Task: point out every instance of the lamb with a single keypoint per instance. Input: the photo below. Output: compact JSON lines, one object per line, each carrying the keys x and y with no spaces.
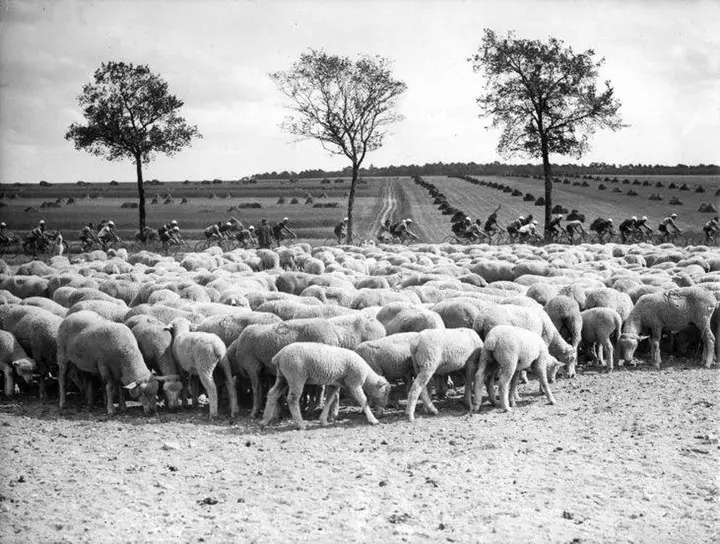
{"x":507,"y":351}
{"x":609,"y":298}
{"x":105,"y":309}
{"x":252,"y":352}
{"x":155,"y":343}
{"x":564,"y":312}
{"x":542,"y":292}
{"x":312,"y":363}
{"x":672,"y":311}
{"x":437,"y":351}
{"x":14,"y":360}
{"x":46,"y":304}
{"x":456,"y":313}
{"x":97,"y":346}
{"x":602,"y":326}
{"x":289,"y":309}
{"x":198,"y":353}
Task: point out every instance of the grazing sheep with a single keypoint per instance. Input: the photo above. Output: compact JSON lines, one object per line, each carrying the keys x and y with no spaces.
{"x":97,"y":346}
{"x":304,"y":363}
{"x":14,"y":360}
{"x":507,"y":351}
{"x":390,"y":356}
{"x":671,"y":311}
{"x":602,"y":326}
{"x":456,"y":313}
{"x":399,"y":317}
{"x":564,"y":312}
{"x":105,"y":309}
{"x":46,"y":304}
{"x":252,"y":352}
{"x":155,"y":343}
{"x":609,"y":298}
{"x":437,"y":351}
{"x":198,"y":353}
{"x":290,"y":309}
{"x":380,"y":297}
{"x":161,"y":312}
{"x":6,"y":297}
{"x":356,"y":328}
{"x":25,"y":286}
{"x":542,"y":293}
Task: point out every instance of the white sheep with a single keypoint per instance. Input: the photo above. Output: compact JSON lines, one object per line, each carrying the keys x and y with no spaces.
{"x":609,"y":298}
{"x":198,"y":353}
{"x":399,"y":317}
{"x":437,"y":351}
{"x":356,"y":328}
{"x":101,"y":347}
{"x":507,"y":351}
{"x":602,"y":327}
{"x":304,"y":363}
{"x":228,"y":327}
{"x":14,"y":360}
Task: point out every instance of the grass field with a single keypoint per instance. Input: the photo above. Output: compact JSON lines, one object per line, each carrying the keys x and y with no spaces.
{"x":380,"y":198}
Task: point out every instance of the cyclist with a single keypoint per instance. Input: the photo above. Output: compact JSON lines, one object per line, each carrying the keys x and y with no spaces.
{"x":641,"y":226}
{"x":710,"y":228}
{"x":554,"y":227}
{"x":576,"y":215}
{"x":526,"y":231}
{"x":213,"y":231}
{"x":107,"y":234}
{"x":603,"y":227}
{"x":384,"y":234}
{"x":665,"y":226}
{"x":341,"y":229}
{"x":5,"y":237}
{"x":265,"y":234}
{"x":246,"y":236}
{"x":527,"y":220}
{"x":175,"y":235}
{"x":460,"y":228}
{"x":88,"y":236}
{"x":38,"y":237}
{"x":627,"y":228}
{"x":164,"y":232}
{"x":475,"y":231}
{"x":574,"y":226}
{"x":280,"y":229}
{"x":491,"y":225}
{"x":403,"y":231}
{"x":512,"y":228}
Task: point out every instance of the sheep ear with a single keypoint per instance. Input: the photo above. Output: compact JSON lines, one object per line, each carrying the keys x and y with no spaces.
{"x":641,"y":338}
{"x":130,"y":385}
{"x":168,"y":328}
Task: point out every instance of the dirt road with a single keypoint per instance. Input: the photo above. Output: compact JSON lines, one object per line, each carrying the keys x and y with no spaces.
{"x":627,"y":457}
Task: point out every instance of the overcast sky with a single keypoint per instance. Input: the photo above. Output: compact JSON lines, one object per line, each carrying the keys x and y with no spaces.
{"x":663,"y":57}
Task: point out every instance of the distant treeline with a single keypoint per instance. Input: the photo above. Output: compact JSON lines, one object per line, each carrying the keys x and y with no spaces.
{"x":500,"y":169}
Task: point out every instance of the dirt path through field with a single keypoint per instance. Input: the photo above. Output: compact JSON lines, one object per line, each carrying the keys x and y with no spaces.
{"x":627,"y":457}
{"x":389,"y":204}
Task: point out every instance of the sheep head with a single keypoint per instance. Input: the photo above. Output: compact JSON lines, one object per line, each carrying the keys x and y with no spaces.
{"x":144,"y":392}
{"x":378,"y":391}
{"x":179,"y":325}
{"x":172,"y":387}
{"x":25,"y":368}
{"x":627,"y":344}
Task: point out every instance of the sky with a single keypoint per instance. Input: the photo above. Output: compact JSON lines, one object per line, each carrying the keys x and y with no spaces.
{"x":662,"y":57}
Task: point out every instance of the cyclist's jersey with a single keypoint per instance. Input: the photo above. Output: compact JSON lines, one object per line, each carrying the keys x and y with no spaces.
{"x":339,"y":229}
{"x":642,"y":224}
{"x":37,"y":232}
{"x":244,"y":234}
{"x":527,"y":229}
{"x":628,"y":225}
{"x":515,"y":225}
{"x":4,"y":236}
{"x":711,"y":225}
{"x":277,"y":230}
{"x":574,"y":224}
{"x":458,"y":228}
{"x":164,"y":232}
{"x":668,"y":221}
{"x":212,"y":230}
{"x":491,"y":223}
{"x":105,"y":232}
{"x":553,"y":224}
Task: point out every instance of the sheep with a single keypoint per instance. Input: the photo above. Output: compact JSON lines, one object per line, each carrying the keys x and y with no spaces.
{"x":609,"y":298}
{"x":6,"y":297}
{"x":198,"y":353}
{"x":564,"y":312}
{"x":542,"y":292}
{"x":14,"y":360}
{"x":289,"y":309}
{"x":380,"y":297}
{"x":507,"y":351}
{"x":390,"y":356}
{"x":672,"y":311}
{"x":436,"y":351}
{"x":159,"y":311}
{"x":228,"y":327}
{"x":97,"y":346}
{"x":155,"y":343}
{"x":312,"y":363}
{"x":25,"y":286}
{"x":46,"y":304}
{"x":252,"y":352}
{"x":602,"y":326}
{"x":456,"y":313}
{"x":533,"y":320}
{"x":402,"y":317}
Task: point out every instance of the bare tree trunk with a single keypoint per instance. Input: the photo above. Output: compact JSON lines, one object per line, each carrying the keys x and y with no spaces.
{"x":351,"y":202}
{"x":141,"y":193}
{"x":548,"y":185}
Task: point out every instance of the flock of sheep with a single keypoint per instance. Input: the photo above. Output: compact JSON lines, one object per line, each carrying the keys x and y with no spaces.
{"x":362,"y":319}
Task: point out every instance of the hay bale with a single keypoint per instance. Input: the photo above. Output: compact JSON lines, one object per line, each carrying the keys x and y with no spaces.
{"x":184,"y":201}
{"x":699,"y":189}
{"x":129,"y":205}
{"x":309,"y":200}
{"x":212,"y":196}
{"x":516,"y":192}
{"x":168,"y":200}
{"x":601,"y":187}
{"x":154,"y":200}
{"x":294,"y":200}
{"x":672,"y":186}
{"x":540,"y":201}
{"x":659,"y":184}
{"x":113,"y":182}
{"x":656,"y":196}
{"x":675,"y":201}
{"x":44,"y":183}
{"x":707,"y":208}
{"x":529,"y":197}
{"x":632,"y":192}
{"x":684,"y":187}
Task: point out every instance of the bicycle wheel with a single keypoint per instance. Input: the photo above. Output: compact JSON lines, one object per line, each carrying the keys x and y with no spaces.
{"x":202,"y":245}
{"x":451,"y":239}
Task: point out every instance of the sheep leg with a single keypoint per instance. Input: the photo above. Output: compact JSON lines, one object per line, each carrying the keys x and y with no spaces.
{"x":540,"y":369}
{"x":655,"y":351}
{"x":121,"y":398}
{"x":211,"y":390}
{"x":62,"y":376}
{"x":709,"y":346}
{"x":293,"y":400}
{"x":523,"y":376}
{"x":418,"y":384}
{"x":480,"y":378}
{"x":504,"y":379}
{"x":359,"y":395}
{"x":194,"y":389}
{"x":272,"y":400}
{"x":609,"y":354}
{"x":110,"y":396}
{"x":9,"y":384}
{"x":428,"y":406}
{"x":333,"y":392}
{"x":232,"y":390}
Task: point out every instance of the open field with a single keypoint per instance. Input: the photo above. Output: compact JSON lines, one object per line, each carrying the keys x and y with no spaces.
{"x":379,"y":198}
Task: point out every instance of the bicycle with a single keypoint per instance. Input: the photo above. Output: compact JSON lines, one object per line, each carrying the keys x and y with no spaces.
{"x":11,"y":251}
{"x":43,"y":249}
{"x":222,"y":243}
{"x":679,"y":239}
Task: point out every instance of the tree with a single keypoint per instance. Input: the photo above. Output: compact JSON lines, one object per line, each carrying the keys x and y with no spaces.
{"x":544,"y":97}
{"x":130,"y":114}
{"x":345,"y":105}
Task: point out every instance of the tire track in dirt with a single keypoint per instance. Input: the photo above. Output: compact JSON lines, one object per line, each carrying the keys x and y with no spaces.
{"x":389,"y":205}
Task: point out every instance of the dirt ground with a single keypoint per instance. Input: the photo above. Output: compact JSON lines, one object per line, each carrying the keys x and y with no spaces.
{"x":627,"y":457}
